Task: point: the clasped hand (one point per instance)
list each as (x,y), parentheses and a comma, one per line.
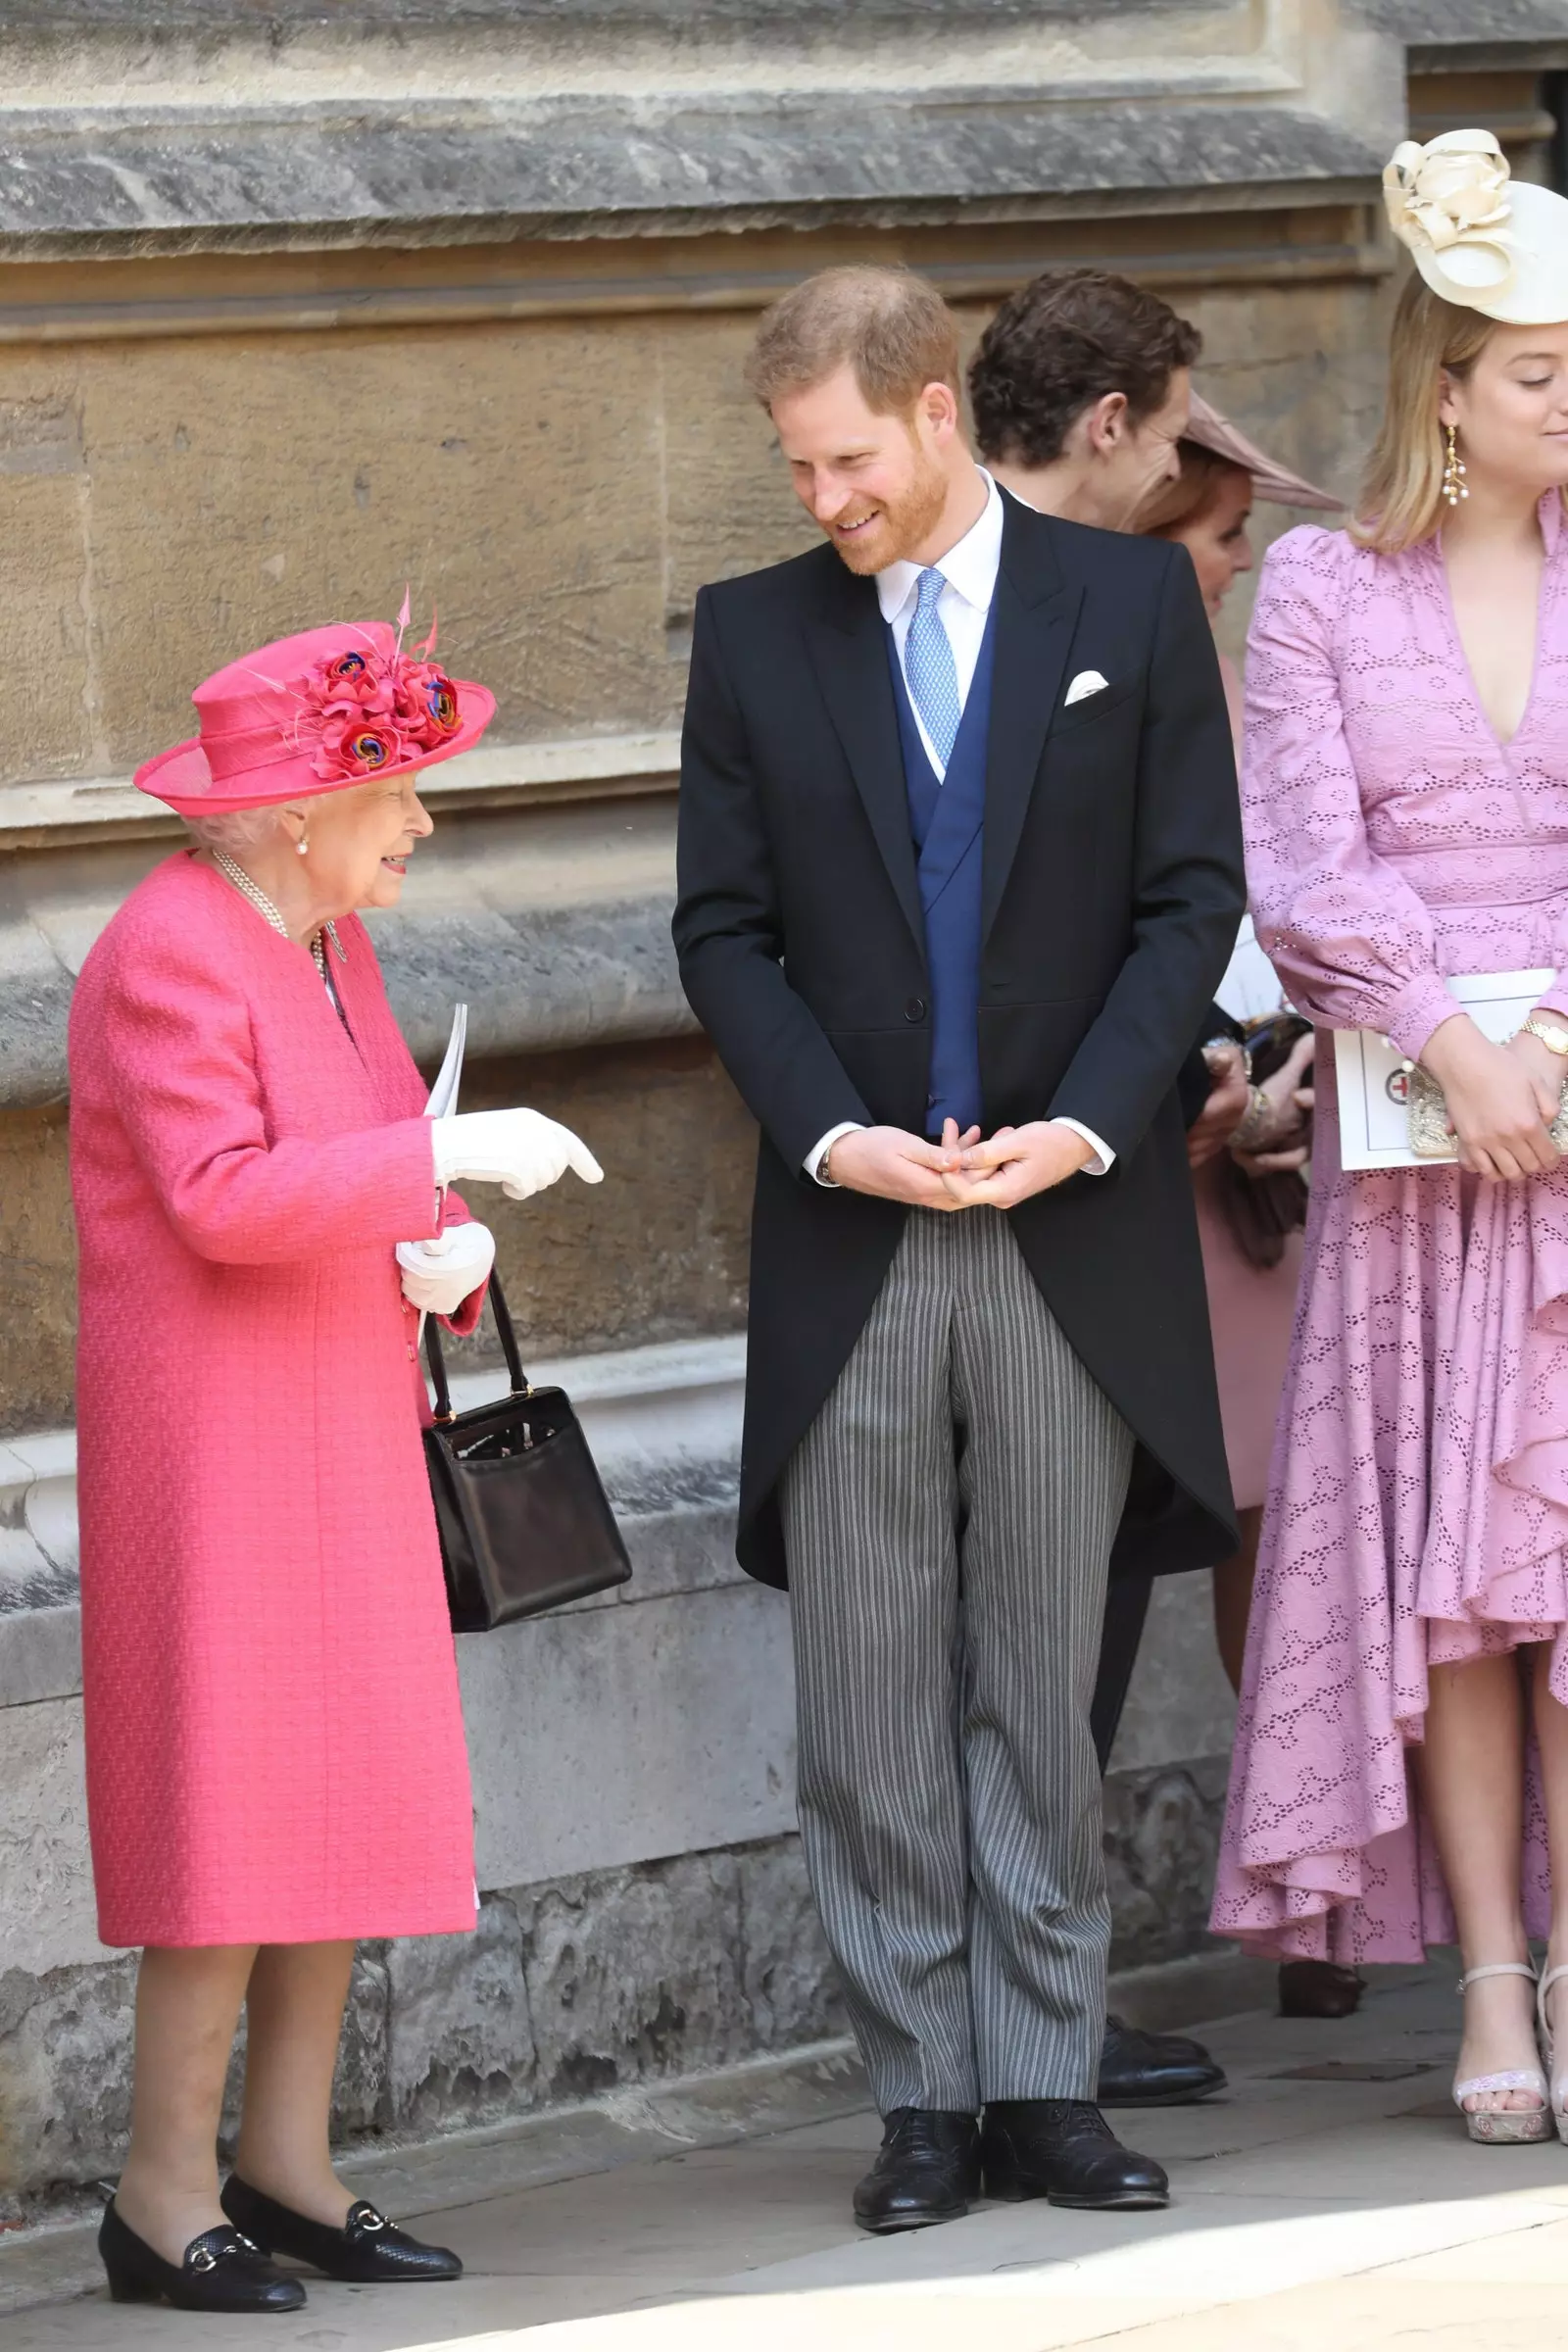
(962,1171)
(1502,1099)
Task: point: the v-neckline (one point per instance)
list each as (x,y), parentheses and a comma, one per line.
(1502,745)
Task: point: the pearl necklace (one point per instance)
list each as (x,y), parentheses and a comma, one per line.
(235,873)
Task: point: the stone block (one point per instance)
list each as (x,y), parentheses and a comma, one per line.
(1179,1702)
(689,1548)
(460,2041)
(243,487)
(630,1733)
(360,2093)
(1161,1839)
(47,1912)
(45,583)
(634,1974)
(729,502)
(658,1250)
(791,1985)
(64,2073)
(38,1289)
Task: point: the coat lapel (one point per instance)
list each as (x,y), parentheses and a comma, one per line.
(1037,614)
(850,653)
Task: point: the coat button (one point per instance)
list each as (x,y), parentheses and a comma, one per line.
(915,1009)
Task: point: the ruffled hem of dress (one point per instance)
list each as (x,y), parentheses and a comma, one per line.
(1381,1901)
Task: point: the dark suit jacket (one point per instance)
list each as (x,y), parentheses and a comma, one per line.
(1112,889)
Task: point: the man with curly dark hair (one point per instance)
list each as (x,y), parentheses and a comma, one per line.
(1080,392)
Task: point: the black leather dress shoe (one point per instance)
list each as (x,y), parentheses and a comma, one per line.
(928,2171)
(1153,2070)
(368,2249)
(221,2270)
(1065,2151)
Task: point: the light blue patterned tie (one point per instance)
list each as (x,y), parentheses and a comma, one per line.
(929,667)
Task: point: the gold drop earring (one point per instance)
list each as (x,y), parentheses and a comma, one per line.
(1453,487)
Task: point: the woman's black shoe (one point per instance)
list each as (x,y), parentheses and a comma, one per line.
(368,2249)
(222,2271)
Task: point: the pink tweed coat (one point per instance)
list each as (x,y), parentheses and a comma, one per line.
(274,1741)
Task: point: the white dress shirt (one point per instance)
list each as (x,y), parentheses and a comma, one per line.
(969,570)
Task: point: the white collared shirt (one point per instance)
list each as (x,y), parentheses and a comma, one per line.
(969,570)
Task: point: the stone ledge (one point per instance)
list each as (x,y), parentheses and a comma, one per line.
(663,1423)
(1480,32)
(61,816)
(551,924)
(574,169)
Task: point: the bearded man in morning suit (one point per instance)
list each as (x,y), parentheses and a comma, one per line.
(960,868)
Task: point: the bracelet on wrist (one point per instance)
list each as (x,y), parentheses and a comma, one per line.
(1256,1121)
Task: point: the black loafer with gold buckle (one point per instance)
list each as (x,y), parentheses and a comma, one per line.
(368,2249)
(222,2270)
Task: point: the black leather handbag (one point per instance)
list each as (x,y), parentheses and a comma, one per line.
(524,1517)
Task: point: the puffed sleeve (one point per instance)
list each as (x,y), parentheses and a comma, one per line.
(176,1036)
(1351,942)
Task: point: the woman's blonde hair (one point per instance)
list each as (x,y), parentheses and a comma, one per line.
(1401,490)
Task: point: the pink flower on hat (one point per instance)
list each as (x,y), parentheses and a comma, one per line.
(426,698)
(362,711)
(359,743)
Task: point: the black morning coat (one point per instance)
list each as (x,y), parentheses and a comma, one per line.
(1112,891)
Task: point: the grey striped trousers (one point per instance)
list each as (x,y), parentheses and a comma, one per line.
(947,1520)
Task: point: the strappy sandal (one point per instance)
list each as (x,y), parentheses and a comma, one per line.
(1507,2126)
(1559,2116)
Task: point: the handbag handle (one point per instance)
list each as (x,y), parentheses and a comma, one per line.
(436,1361)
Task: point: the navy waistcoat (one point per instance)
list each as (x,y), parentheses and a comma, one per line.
(947,817)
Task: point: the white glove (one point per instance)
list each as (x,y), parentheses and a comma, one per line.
(438,1275)
(522,1151)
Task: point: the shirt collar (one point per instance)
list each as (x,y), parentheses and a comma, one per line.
(970,568)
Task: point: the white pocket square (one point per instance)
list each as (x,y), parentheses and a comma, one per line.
(1087,682)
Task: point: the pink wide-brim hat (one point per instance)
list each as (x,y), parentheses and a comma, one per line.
(284,723)
(1213,431)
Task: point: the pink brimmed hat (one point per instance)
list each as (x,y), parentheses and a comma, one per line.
(316,714)
(1213,431)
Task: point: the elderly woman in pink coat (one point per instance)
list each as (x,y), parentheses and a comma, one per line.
(275,1760)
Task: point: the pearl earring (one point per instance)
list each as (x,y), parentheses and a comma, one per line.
(303,845)
(1454,484)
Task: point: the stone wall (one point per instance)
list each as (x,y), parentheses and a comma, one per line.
(579,1986)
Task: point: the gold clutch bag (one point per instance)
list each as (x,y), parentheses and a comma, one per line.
(1427,1118)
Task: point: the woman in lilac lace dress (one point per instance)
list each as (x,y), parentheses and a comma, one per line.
(1400,1773)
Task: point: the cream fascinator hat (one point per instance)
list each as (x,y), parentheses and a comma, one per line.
(1480,238)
